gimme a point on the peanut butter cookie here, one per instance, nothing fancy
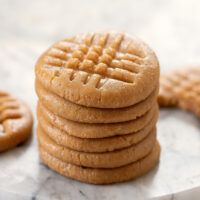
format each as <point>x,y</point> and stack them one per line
<point>102,70</point>
<point>98,160</point>
<point>103,176</point>
<point>181,89</point>
<point>78,113</point>
<point>85,130</point>
<point>15,122</point>
<point>97,144</point>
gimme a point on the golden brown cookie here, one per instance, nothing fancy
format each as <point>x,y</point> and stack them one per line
<point>98,160</point>
<point>84,130</point>
<point>103,70</point>
<point>78,113</point>
<point>182,89</point>
<point>103,176</point>
<point>15,122</point>
<point>94,145</point>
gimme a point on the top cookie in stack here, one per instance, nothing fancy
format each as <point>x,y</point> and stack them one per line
<point>97,101</point>
<point>108,70</point>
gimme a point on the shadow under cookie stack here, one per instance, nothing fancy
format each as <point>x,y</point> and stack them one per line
<point>97,108</point>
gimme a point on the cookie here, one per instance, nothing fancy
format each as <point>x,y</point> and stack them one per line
<point>103,176</point>
<point>85,130</point>
<point>94,145</point>
<point>181,89</point>
<point>98,160</point>
<point>15,122</point>
<point>78,113</point>
<point>102,70</point>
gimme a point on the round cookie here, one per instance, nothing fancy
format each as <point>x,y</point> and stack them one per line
<point>103,176</point>
<point>103,70</point>
<point>78,113</point>
<point>98,160</point>
<point>94,145</point>
<point>181,88</point>
<point>15,122</point>
<point>85,130</point>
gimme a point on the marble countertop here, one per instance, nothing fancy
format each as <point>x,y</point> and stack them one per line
<point>171,28</point>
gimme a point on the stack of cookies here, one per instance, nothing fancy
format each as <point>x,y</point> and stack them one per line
<point>97,108</point>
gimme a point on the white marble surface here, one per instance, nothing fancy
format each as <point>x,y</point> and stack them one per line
<point>171,27</point>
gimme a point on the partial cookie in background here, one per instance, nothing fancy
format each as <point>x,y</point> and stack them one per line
<point>103,176</point>
<point>15,122</point>
<point>181,88</point>
<point>68,110</point>
<point>102,70</point>
<point>85,130</point>
<point>109,159</point>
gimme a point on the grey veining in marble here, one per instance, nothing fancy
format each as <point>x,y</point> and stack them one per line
<point>171,28</point>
